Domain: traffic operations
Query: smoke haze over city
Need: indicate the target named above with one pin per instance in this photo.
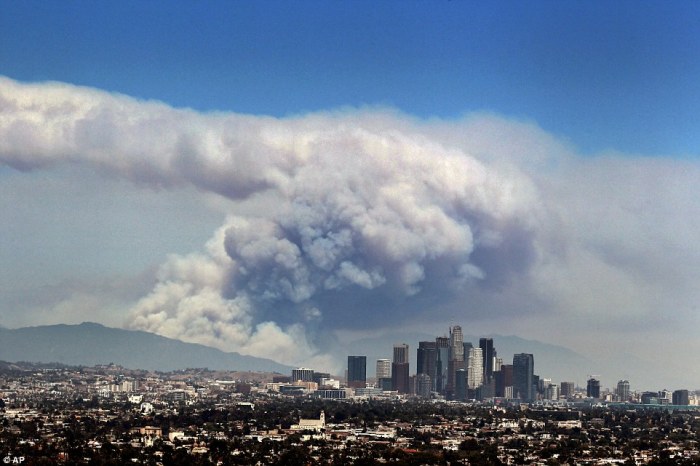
(169, 202)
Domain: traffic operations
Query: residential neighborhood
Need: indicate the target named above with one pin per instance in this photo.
(113, 415)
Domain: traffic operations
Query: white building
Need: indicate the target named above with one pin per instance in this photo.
(475, 368)
(311, 424)
(383, 369)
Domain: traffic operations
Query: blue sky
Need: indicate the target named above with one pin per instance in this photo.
(606, 75)
(517, 167)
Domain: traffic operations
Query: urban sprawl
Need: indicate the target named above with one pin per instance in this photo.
(463, 405)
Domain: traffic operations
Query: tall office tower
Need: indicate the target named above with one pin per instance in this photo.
(456, 358)
(497, 363)
(475, 370)
(357, 371)
(488, 355)
(552, 392)
(427, 357)
(383, 374)
(442, 356)
(423, 385)
(399, 369)
(523, 376)
(681, 397)
(383, 369)
(303, 374)
(400, 380)
(504, 379)
(593, 388)
(401, 353)
(456, 343)
(567, 389)
(460, 385)
(623, 390)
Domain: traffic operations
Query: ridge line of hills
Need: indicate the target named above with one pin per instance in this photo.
(90, 344)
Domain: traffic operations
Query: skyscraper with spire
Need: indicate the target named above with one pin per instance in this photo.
(456, 358)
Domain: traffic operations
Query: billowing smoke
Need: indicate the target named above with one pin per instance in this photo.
(361, 217)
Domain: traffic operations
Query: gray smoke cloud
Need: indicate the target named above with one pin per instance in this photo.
(344, 221)
(363, 213)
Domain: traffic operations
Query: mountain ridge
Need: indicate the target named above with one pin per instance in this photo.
(91, 343)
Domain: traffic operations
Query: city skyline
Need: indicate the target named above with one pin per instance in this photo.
(287, 180)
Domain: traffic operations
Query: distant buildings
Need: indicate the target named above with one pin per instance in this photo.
(383, 369)
(523, 376)
(623, 390)
(475, 369)
(427, 361)
(399, 369)
(504, 381)
(303, 374)
(442, 355)
(681, 397)
(456, 359)
(567, 389)
(383, 374)
(488, 354)
(357, 371)
(593, 388)
(453, 369)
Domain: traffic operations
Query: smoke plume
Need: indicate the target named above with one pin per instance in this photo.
(362, 215)
(368, 219)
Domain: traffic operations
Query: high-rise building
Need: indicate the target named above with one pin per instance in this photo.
(399, 369)
(401, 353)
(497, 363)
(383, 369)
(456, 358)
(504, 379)
(357, 371)
(383, 374)
(623, 390)
(423, 385)
(302, 373)
(552, 392)
(523, 376)
(681, 397)
(460, 385)
(427, 358)
(567, 389)
(593, 388)
(442, 350)
(488, 354)
(400, 377)
(475, 371)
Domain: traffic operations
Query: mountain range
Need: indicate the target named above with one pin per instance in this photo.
(90, 344)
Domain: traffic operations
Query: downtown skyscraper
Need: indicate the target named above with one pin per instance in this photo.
(442, 356)
(427, 361)
(399, 369)
(488, 353)
(456, 359)
(524, 376)
(357, 371)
